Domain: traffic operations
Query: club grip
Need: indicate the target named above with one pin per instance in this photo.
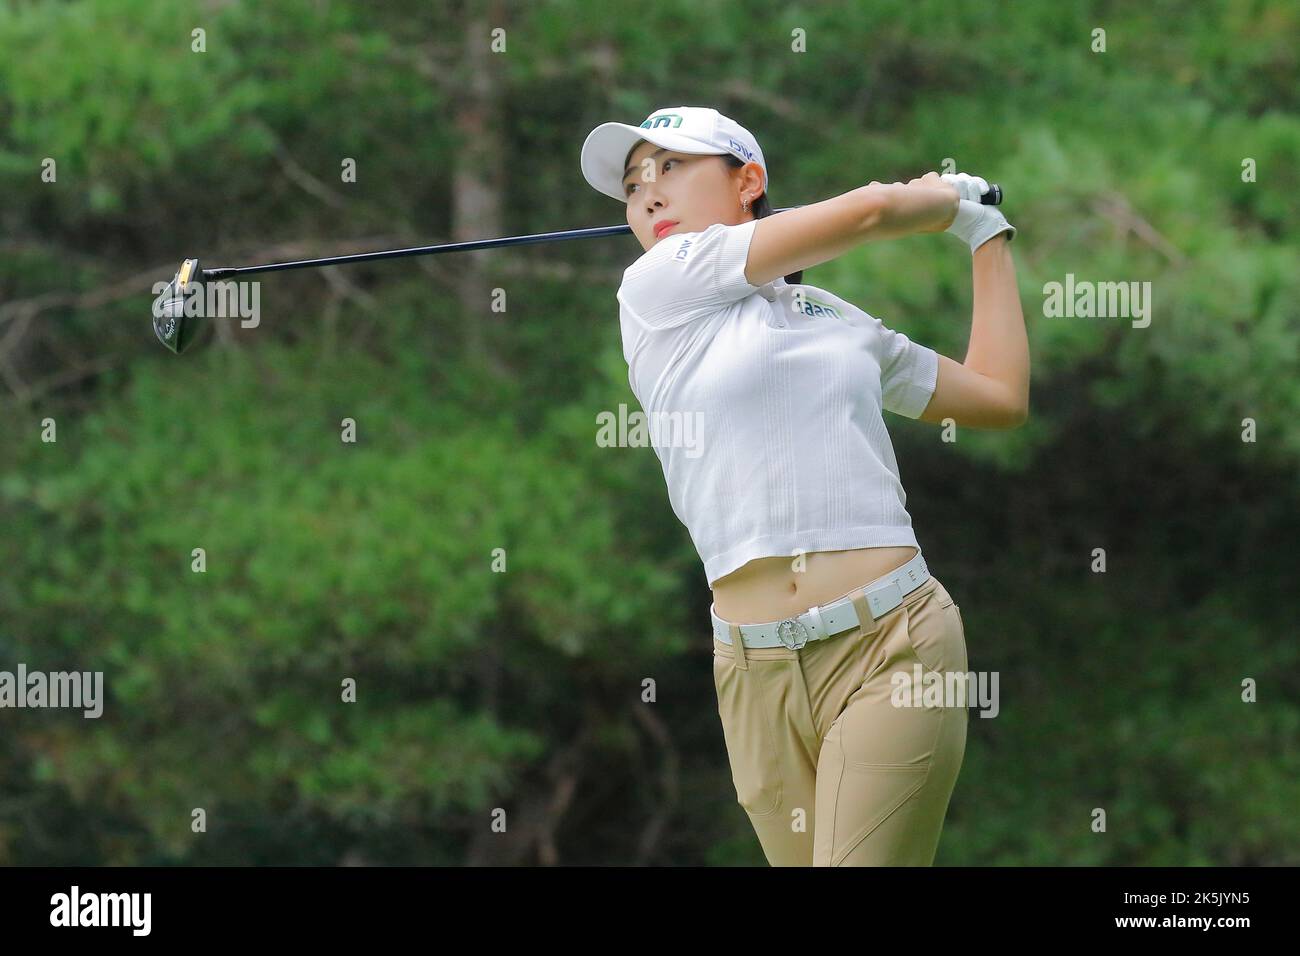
(993, 197)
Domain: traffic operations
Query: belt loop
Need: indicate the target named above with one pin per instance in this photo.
(738, 643)
(819, 625)
(866, 622)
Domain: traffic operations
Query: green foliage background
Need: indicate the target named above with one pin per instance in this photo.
(522, 690)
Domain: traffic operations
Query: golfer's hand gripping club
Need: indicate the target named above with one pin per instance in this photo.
(976, 223)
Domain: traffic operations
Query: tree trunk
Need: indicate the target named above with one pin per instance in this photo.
(478, 178)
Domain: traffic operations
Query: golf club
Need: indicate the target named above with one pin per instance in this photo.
(176, 330)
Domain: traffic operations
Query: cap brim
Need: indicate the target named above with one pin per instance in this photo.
(607, 146)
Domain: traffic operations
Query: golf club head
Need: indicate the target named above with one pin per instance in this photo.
(173, 327)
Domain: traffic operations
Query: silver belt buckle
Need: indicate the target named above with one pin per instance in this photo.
(787, 627)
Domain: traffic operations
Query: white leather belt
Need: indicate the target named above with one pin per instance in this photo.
(826, 620)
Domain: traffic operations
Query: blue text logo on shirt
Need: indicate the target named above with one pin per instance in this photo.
(683, 250)
(806, 305)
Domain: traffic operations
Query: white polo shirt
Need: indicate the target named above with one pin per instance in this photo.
(767, 421)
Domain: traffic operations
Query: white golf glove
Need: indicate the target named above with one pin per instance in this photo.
(975, 223)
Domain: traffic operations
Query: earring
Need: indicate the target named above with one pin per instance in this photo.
(745, 205)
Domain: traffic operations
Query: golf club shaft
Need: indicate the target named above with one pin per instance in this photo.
(470, 246)
(993, 197)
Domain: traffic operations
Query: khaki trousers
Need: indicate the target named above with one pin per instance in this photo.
(829, 765)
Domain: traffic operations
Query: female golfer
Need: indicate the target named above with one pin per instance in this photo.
(764, 397)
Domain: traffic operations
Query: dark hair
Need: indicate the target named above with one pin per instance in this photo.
(761, 206)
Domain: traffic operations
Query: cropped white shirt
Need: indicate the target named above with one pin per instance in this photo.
(767, 420)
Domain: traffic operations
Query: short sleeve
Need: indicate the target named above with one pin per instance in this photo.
(908, 373)
(689, 276)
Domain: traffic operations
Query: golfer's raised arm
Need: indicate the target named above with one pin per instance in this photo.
(810, 235)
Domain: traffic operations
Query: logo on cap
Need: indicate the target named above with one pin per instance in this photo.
(740, 148)
(663, 119)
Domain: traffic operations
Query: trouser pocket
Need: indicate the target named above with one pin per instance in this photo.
(935, 633)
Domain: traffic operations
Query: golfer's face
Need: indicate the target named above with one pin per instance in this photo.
(692, 189)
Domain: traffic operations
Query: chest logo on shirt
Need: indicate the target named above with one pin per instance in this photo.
(683, 250)
(804, 304)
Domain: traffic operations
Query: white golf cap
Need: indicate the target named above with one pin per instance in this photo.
(684, 129)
